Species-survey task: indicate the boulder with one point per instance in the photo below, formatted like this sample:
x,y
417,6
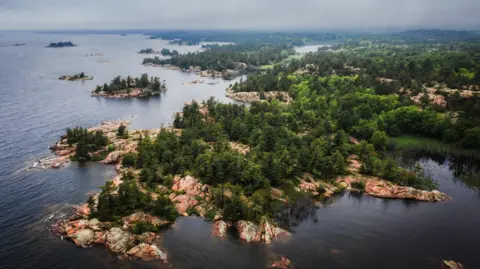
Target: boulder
x,y
270,232
63,152
452,265
118,240
220,228
83,237
94,224
282,263
147,252
82,210
112,157
148,237
248,231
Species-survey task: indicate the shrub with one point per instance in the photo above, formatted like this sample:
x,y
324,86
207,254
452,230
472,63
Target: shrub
x,y
358,185
129,159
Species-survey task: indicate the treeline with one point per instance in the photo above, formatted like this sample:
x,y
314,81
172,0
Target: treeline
x,y
251,37
87,142
61,44
127,84
223,57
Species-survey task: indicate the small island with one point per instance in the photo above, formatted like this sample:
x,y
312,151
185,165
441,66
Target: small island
x,y
131,87
148,51
167,52
79,76
61,44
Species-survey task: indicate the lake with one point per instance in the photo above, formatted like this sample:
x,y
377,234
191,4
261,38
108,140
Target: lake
x,y
347,231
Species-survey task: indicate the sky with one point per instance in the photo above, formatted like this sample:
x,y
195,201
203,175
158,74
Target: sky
x,y
238,14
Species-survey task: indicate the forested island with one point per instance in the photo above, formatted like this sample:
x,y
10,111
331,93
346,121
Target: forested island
x,y
148,51
79,76
329,122
167,52
61,44
131,87
226,61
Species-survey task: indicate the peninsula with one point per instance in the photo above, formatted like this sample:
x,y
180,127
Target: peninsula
x,y
131,87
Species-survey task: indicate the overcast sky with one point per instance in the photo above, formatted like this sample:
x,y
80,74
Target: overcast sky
x,y
237,14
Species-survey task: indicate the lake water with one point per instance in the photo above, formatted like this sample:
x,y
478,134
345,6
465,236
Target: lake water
x,y
347,231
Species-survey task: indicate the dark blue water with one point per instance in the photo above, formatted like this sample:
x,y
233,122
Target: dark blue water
x,y
35,108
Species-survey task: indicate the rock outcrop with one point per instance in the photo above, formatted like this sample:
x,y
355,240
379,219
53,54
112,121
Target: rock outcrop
x,y
384,189
112,157
188,189
147,252
256,96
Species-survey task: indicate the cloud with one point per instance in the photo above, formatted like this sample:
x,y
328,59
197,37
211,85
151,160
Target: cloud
x,y
237,14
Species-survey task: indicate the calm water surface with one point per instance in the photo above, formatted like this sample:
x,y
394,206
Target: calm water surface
x,y
344,232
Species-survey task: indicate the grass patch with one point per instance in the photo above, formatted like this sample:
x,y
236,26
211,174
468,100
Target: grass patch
x,y
430,145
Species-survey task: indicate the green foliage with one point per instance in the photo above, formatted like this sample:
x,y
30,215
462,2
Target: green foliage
x,y
141,227
128,159
223,57
149,85
358,185
86,142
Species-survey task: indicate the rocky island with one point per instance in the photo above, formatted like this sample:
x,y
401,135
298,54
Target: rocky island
x,y
119,87
61,44
79,76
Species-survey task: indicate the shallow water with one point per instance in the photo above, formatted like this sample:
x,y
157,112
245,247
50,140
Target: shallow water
x,y
346,231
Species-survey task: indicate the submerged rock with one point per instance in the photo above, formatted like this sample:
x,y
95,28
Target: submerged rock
x,y
282,263
452,265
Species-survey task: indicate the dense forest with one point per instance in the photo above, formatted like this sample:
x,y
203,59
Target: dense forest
x,y
61,44
348,100
223,57
144,82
